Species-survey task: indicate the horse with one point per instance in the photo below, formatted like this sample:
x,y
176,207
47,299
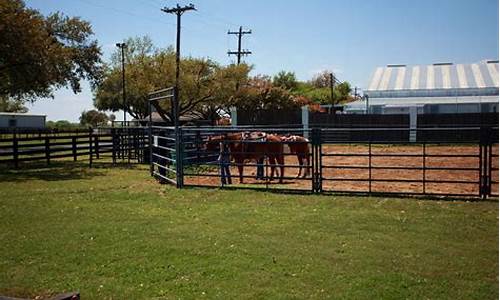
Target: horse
x,y
299,146
252,146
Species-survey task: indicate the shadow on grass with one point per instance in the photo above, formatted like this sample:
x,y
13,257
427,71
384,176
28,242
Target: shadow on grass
x,y
59,171
380,195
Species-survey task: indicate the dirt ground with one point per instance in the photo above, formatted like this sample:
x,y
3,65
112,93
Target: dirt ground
x,y
338,177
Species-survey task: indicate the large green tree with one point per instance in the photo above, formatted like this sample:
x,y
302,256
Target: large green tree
x,y
205,86
39,54
259,93
286,80
94,118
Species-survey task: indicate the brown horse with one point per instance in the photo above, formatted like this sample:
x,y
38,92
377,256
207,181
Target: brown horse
x,y
299,146
245,146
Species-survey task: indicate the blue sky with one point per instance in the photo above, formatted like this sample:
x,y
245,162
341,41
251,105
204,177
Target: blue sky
x,y
351,37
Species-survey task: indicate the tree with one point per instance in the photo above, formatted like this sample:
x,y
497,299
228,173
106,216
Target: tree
x,y
322,79
205,85
62,124
285,80
93,118
341,93
39,54
12,105
260,94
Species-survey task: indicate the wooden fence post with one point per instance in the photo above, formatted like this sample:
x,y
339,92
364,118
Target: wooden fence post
x,y
73,147
96,146
113,142
47,149
15,150
90,147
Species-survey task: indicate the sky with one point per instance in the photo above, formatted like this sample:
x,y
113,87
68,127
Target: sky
x,y
350,38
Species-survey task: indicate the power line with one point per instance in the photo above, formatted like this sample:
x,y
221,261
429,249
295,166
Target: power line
x,y
122,11
240,52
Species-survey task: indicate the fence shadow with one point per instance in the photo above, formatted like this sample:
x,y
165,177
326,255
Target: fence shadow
x,y
56,171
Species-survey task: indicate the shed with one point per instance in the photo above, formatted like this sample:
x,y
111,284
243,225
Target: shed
x,y
21,120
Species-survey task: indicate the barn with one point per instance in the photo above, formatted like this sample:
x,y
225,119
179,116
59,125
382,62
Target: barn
x,y
437,88
21,120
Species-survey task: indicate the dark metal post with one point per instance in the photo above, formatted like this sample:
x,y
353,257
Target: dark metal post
x,y
370,167
490,153
150,124
316,171
423,166
480,169
367,106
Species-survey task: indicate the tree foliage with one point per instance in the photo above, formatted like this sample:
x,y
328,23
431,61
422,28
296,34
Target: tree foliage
x,y
62,125
205,86
94,118
12,105
39,54
321,80
259,93
285,80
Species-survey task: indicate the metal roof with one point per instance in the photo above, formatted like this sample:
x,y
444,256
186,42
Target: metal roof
x,y
20,114
444,75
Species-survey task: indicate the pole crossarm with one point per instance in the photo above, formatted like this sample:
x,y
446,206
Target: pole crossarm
x,y
240,33
244,52
179,10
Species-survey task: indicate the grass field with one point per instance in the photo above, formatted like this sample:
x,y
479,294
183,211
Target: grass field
x,y
114,233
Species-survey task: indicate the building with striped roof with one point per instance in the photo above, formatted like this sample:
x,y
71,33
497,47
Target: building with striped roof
x,y
436,88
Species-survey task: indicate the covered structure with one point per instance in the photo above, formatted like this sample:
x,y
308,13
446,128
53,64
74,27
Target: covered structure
x,y
436,88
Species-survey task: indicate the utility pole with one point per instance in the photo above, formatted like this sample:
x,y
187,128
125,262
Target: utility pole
x,y
178,10
332,80
123,46
239,53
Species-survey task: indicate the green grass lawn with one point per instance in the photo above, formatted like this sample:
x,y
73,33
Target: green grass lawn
x,y
113,233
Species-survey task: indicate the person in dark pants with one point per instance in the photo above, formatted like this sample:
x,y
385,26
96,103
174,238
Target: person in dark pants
x,y
260,169
224,161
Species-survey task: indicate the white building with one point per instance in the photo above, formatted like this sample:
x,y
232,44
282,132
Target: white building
x,y
436,88
18,120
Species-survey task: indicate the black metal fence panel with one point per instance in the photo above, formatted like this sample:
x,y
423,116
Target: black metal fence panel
x,y
272,164
332,161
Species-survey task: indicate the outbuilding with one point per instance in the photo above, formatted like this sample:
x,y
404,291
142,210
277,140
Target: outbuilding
x,y
437,88
21,120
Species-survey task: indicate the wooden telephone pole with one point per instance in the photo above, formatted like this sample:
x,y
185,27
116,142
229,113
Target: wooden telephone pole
x,y
240,52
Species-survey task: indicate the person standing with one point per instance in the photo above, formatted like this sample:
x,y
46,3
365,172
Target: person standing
x,y
225,162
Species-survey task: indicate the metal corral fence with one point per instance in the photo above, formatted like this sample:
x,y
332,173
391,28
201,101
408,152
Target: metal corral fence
x,y
338,163
18,146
